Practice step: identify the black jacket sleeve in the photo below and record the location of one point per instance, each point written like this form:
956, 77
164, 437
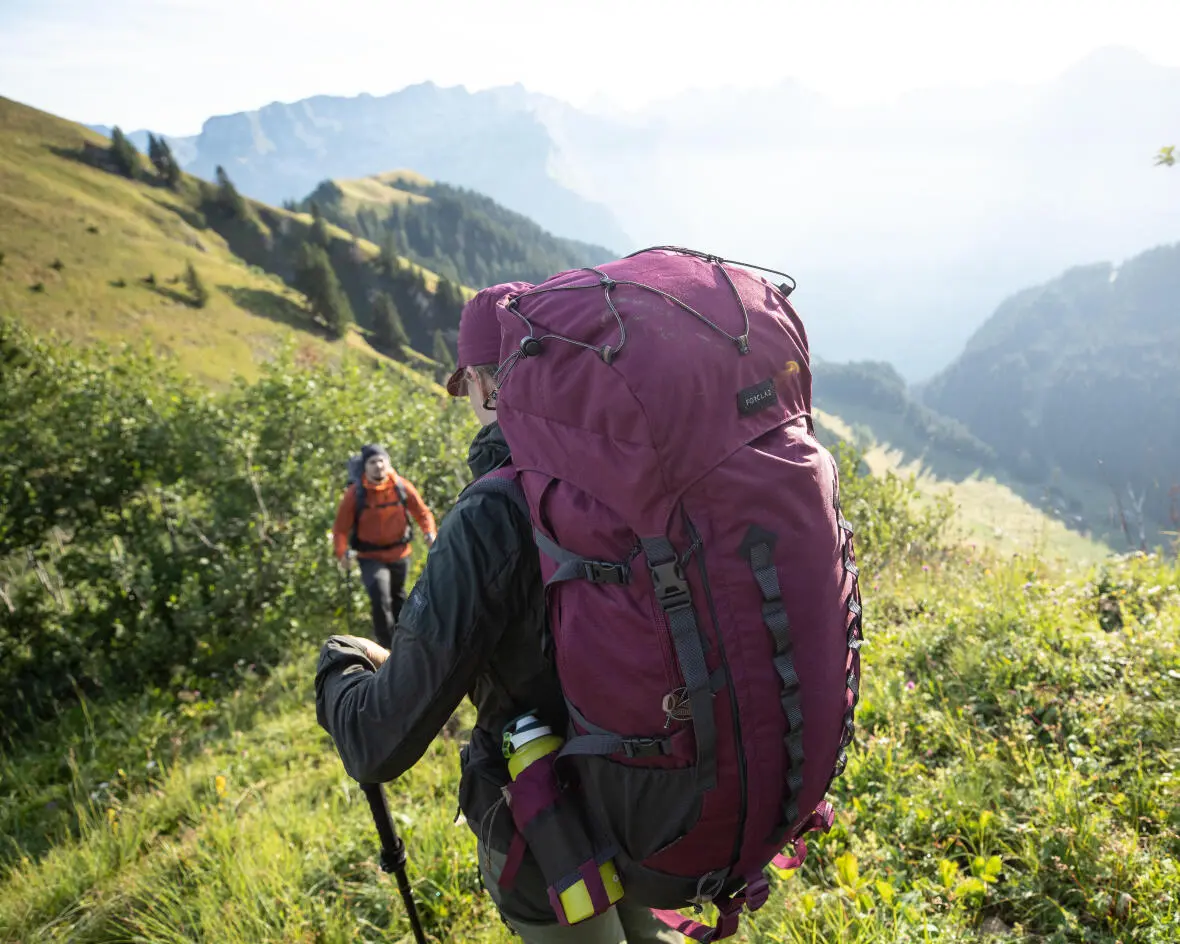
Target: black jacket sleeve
383, 721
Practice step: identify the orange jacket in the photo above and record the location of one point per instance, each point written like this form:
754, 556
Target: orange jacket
383, 519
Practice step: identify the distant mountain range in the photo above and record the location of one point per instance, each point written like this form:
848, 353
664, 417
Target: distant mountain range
282, 151
905, 224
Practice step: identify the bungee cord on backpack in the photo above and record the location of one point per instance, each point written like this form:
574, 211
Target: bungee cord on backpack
530, 346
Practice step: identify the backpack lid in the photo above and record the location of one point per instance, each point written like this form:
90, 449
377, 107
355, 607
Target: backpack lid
632, 379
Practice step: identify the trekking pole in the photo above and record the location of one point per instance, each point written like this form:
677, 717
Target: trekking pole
393, 852
348, 591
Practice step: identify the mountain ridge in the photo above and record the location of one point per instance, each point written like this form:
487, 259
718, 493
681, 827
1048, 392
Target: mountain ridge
906, 223
444, 132
1072, 380
464, 235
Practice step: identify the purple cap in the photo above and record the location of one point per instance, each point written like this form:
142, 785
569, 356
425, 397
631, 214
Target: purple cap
479, 332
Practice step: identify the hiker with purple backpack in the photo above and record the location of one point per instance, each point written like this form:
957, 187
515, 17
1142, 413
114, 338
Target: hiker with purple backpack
649, 592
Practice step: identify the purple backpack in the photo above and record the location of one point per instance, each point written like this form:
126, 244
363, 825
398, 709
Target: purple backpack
701, 585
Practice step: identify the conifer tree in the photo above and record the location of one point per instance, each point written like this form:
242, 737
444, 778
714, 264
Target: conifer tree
232, 202
441, 352
124, 154
196, 287
316, 278
387, 324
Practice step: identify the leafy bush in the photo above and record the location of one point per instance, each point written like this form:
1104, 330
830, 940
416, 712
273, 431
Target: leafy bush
891, 528
152, 531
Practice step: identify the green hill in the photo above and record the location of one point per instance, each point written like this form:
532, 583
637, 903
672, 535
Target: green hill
93, 255
869, 405
1074, 385
874, 395
459, 233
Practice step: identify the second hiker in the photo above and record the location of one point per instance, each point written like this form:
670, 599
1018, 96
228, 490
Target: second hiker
374, 519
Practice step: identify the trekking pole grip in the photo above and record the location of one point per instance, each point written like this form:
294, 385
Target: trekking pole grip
393, 853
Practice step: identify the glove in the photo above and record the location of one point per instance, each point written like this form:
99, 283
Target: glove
373, 652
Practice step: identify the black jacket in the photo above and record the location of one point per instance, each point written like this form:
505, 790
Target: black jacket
474, 624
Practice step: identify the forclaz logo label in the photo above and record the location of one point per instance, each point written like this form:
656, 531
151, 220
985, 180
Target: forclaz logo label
757, 398
765, 395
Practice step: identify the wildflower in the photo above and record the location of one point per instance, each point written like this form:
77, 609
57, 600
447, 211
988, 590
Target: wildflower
910, 685
219, 785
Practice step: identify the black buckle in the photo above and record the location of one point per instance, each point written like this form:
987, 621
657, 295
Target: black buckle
670, 587
646, 746
607, 572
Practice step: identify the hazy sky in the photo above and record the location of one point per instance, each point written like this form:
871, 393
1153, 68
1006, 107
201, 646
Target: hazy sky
169, 64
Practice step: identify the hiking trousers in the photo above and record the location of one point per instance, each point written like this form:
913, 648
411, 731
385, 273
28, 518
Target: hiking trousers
386, 585
625, 923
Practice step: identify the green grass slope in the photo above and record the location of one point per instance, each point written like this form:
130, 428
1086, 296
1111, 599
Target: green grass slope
989, 512
78, 243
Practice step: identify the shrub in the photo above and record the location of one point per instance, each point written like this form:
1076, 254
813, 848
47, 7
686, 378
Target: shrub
152, 531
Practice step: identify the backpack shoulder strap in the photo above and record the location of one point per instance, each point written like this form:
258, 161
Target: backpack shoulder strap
571, 566
360, 495
400, 488
501, 481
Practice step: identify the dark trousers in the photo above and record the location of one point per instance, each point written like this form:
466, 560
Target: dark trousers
386, 584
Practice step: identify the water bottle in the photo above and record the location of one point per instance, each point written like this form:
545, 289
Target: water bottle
527, 740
